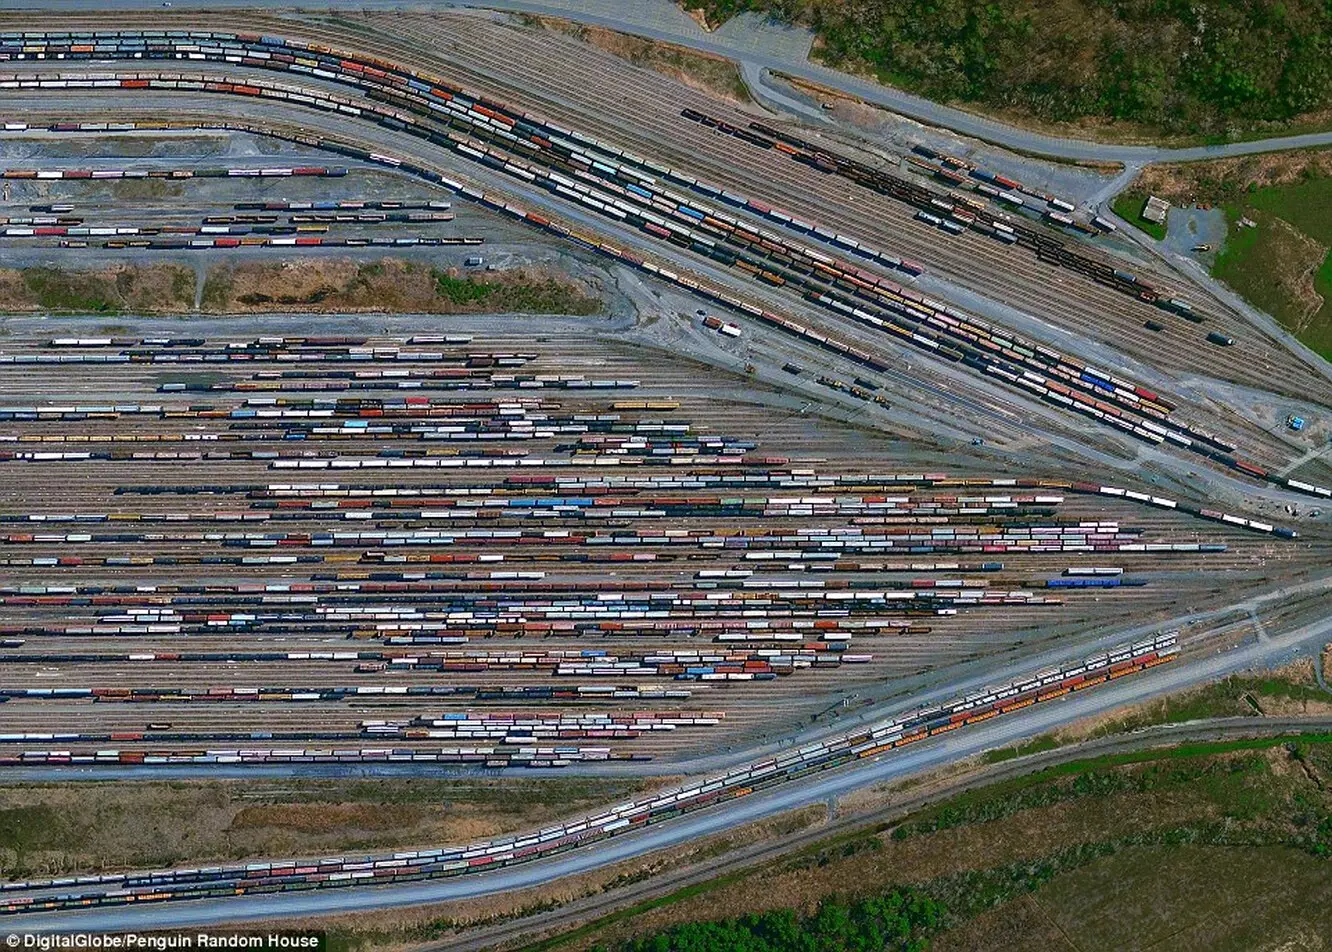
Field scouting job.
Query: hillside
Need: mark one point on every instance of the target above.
(1152, 67)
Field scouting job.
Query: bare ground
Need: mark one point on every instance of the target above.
(389, 285)
(705, 72)
(1186, 183)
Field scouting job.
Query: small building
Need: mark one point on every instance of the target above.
(1155, 210)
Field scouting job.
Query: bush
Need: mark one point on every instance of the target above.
(900, 921)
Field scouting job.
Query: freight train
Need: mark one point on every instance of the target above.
(786, 767)
(625, 181)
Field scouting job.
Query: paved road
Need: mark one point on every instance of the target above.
(600, 904)
(889, 767)
(758, 45)
(897, 765)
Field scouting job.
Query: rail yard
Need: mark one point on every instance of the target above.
(860, 449)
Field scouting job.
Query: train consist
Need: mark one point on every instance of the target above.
(307, 224)
(964, 212)
(264, 536)
(628, 189)
(369, 552)
(858, 744)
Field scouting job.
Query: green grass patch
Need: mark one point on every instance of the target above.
(1270, 265)
(217, 289)
(1034, 746)
(69, 292)
(1128, 206)
(1224, 698)
(1318, 335)
(1307, 205)
(899, 920)
(537, 295)
(28, 827)
(1235, 785)
(462, 290)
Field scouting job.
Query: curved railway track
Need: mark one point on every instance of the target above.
(236, 528)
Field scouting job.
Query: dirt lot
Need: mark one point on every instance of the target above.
(50, 829)
(701, 71)
(389, 285)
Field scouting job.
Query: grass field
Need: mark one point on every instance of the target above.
(1128, 205)
(53, 829)
(1292, 690)
(1284, 265)
(112, 290)
(1206, 846)
(391, 285)
(1210, 899)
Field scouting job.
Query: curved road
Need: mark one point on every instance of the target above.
(598, 905)
(892, 766)
(756, 45)
(917, 758)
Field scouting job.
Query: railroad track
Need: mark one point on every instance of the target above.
(569, 915)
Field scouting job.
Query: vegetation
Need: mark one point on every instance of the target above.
(1052, 842)
(1128, 205)
(54, 829)
(113, 290)
(528, 294)
(391, 284)
(1282, 263)
(899, 920)
(1034, 746)
(1225, 780)
(1178, 67)
(1234, 696)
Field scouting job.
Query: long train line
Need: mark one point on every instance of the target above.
(467, 28)
(106, 554)
(872, 740)
(1090, 405)
(647, 99)
(1078, 401)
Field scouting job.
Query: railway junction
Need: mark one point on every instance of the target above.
(897, 435)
